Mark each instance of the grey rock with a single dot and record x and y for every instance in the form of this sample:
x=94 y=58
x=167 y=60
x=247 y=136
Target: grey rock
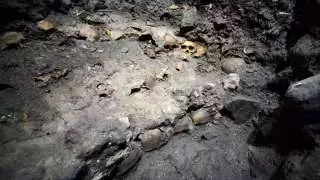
x=242 y=108
x=183 y=125
x=232 y=81
x=158 y=34
x=304 y=55
x=153 y=139
x=189 y=18
x=233 y=65
x=304 y=95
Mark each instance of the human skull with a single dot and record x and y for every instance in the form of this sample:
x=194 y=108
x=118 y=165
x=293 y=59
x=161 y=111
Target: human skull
x=189 y=47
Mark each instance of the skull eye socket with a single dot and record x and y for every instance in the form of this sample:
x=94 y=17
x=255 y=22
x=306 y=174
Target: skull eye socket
x=191 y=48
x=183 y=47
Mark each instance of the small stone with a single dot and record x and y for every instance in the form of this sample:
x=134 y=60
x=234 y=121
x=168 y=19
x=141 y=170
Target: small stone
x=88 y=32
x=231 y=82
x=217 y=116
x=115 y=34
x=242 y=109
x=45 y=25
x=183 y=125
x=233 y=65
x=179 y=66
x=125 y=121
x=44 y=78
x=152 y=139
x=11 y=38
x=200 y=116
x=248 y=51
x=174 y=7
x=163 y=74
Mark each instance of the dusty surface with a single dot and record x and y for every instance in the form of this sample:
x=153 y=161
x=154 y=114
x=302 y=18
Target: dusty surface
x=104 y=101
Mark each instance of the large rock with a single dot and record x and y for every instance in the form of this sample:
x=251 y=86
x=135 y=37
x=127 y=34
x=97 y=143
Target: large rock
x=233 y=65
x=189 y=19
x=183 y=125
x=153 y=139
x=242 y=108
x=304 y=97
x=304 y=55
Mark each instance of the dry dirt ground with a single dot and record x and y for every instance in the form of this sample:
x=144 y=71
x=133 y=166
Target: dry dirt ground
x=122 y=106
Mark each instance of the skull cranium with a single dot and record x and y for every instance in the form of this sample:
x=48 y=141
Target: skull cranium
x=189 y=47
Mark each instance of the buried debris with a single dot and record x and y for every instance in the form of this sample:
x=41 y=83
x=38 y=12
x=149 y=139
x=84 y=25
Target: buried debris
x=45 y=25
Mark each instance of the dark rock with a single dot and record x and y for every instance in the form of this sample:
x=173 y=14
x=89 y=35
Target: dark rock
x=303 y=97
x=189 y=19
x=153 y=139
x=302 y=167
x=264 y=162
x=242 y=108
x=281 y=81
x=304 y=55
x=130 y=161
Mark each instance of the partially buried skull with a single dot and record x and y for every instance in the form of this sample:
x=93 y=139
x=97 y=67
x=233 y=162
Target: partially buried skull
x=189 y=47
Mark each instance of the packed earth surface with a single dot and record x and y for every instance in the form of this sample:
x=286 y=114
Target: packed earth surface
x=162 y=89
